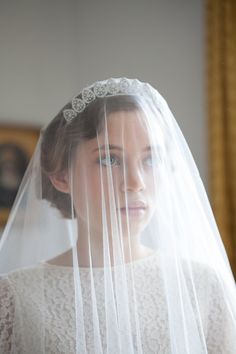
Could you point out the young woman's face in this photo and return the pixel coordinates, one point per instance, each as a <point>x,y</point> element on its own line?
<point>113,176</point>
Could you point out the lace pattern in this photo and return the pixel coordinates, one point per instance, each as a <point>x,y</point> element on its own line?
<point>44,315</point>
<point>6,316</point>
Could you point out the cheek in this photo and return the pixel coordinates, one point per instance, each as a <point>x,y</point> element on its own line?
<point>151,189</point>
<point>151,181</point>
<point>87,192</point>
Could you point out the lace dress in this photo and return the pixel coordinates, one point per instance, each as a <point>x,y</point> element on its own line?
<point>37,311</point>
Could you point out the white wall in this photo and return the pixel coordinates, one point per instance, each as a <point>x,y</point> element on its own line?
<point>50,49</point>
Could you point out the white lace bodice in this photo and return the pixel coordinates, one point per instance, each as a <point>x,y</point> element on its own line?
<point>32,323</point>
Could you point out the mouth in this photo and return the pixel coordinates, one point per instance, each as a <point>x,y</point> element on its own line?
<point>138,208</point>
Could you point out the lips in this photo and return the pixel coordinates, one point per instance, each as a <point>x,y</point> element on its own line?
<point>134,208</point>
<point>135,205</point>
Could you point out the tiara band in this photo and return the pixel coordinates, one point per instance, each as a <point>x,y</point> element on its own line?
<point>111,87</point>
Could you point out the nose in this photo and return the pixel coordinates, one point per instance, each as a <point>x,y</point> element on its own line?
<point>133,181</point>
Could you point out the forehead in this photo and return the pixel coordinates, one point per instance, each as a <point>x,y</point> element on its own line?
<point>125,127</point>
<point>131,130</point>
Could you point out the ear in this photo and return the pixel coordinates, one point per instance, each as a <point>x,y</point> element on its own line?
<point>60,182</point>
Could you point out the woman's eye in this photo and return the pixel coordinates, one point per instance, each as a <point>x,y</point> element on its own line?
<point>151,160</point>
<point>109,161</point>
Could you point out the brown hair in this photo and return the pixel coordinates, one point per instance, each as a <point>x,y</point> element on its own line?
<point>60,138</point>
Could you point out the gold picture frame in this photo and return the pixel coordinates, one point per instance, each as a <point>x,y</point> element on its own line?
<point>17,144</point>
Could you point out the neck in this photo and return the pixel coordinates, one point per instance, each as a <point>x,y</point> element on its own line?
<point>131,251</point>
<point>127,248</point>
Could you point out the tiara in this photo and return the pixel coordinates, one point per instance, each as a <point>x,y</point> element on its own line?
<point>110,87</point>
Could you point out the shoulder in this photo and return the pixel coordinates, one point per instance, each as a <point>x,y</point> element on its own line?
<point>6,315</point>
<point>5,289</point>
<point>14,281</point>
<point>201,273</point>
<point>6,302</point>
<point>200,279</point>
<point>213,285</point>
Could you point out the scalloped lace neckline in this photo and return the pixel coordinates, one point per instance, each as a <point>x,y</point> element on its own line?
<point>136,263</point>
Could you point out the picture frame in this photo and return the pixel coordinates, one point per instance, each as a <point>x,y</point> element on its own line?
<point>17,144</point>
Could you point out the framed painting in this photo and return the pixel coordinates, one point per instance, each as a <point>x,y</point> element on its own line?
<point>17,144</point>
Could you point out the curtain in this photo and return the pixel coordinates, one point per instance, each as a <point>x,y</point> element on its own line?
<point>221,73</point>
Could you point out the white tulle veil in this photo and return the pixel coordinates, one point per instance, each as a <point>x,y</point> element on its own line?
<point>113,200</point>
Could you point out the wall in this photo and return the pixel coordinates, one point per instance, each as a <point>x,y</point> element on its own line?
<point>51,49</point>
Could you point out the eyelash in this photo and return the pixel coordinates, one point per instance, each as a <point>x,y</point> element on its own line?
<point>106,158</point>
<point>118,163</point>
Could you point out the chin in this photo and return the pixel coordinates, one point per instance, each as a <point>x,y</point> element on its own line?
<point>135,227</point>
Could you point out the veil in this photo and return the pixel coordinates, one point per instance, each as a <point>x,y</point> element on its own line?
<point>111,245</point>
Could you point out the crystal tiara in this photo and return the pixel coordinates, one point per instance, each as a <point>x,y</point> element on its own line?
<point>110,87</point>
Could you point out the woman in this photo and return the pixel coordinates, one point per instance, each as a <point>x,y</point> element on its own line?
<point>111,246</point>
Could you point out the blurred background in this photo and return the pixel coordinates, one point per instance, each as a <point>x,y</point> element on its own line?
<point>51,49</point>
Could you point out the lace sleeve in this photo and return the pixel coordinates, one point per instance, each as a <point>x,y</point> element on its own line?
<point>221,336</point>
<point>6,316</point>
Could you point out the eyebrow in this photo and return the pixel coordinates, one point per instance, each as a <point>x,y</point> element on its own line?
<point>116,147</point>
